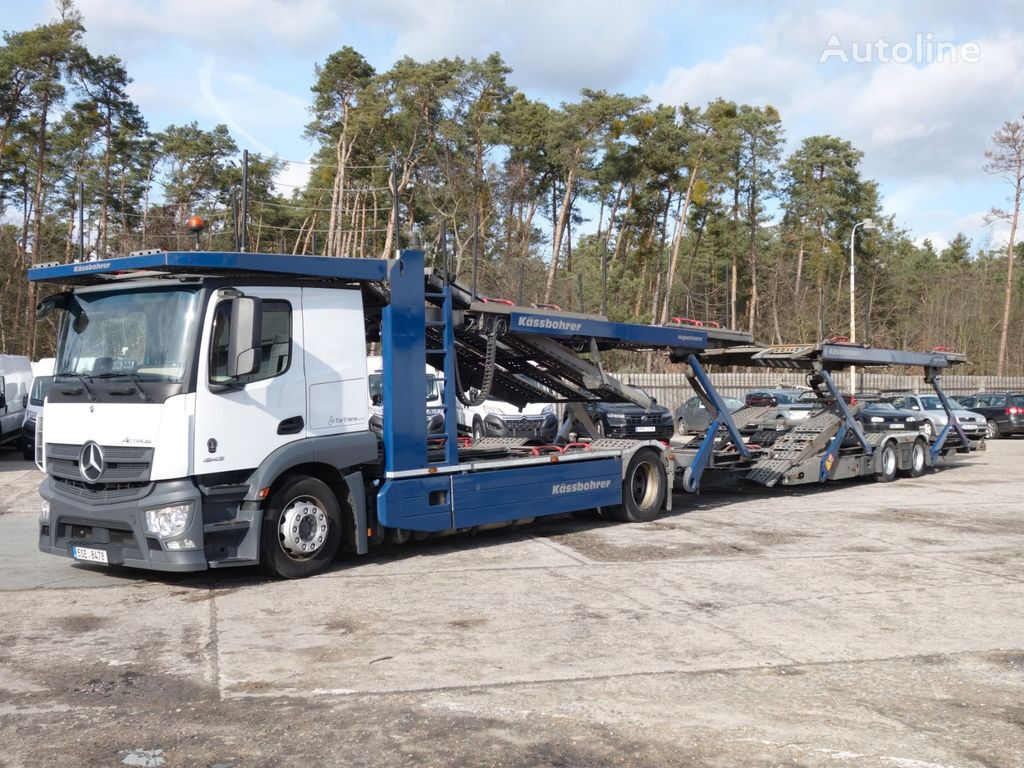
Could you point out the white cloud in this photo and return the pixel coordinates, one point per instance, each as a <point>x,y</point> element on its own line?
<point>231,26</point>
<point>923,127</point>
<point>553,46</point>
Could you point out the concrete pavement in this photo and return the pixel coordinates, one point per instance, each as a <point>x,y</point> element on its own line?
<point>864,624</point>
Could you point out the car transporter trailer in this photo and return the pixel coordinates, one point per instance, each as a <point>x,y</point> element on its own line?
<point>830,444</point>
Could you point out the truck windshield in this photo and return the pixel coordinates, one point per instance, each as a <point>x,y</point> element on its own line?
<point>148,333</point>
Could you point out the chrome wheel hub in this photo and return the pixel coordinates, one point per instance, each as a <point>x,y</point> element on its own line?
<point>303,528</point>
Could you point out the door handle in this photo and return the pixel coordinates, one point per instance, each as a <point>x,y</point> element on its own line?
<point>291,426</point>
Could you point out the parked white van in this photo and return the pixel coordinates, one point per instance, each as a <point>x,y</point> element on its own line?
<point>15,382</point>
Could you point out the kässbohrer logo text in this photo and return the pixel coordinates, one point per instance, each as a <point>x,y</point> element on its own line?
<point>580,487</point>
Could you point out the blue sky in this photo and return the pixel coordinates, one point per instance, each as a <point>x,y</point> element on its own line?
<point>922,126</point>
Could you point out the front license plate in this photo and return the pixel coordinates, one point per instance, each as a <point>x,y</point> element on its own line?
<point>89,555</point>
<point>895,426</point>
<point>645,429</point>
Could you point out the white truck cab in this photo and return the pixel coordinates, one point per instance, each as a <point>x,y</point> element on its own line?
<point>150,418</point>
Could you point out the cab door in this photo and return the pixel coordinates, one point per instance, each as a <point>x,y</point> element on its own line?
<point>238,424</point>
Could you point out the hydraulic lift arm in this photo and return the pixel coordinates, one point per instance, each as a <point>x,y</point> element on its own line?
<point>932,375</point>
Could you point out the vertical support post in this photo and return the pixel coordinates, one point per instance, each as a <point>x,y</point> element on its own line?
<point>397,245</point>
<point>234,215</point>
<point>244,230</point>
<point>81,221</point>
<point>604,277</point>
<point>442,249</point>
<point>404,353</point>
<point>476,251</point>
<point>451,413</point>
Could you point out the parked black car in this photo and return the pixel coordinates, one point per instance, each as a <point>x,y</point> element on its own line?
<point>881,417</point>
<point>1003,412</point>
<point>626,420</point>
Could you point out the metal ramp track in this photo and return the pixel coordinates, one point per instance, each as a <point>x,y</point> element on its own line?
<point>795,447</point>
<point>746,417</point>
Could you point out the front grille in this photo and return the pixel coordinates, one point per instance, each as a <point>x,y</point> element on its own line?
<point>643,419</point>
<point>101,492</point>
<point>524,423</point>
<point>121,463</point>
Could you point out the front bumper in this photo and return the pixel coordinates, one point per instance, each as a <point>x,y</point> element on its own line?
<point>531,427</point>
<point>118,527</point>
<point>638,431</point>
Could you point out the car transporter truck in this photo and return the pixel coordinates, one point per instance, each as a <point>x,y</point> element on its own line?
<point>210,410</point>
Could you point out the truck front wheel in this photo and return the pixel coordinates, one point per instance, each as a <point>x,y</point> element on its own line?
<point>301,528</point>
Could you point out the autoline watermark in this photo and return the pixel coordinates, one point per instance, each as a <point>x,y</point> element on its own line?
<point>923,49</point>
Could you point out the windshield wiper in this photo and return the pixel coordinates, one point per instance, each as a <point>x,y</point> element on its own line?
<point>81,378</point>
<point>131,376</point>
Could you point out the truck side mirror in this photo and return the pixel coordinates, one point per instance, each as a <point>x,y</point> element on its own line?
<point>246,331</point>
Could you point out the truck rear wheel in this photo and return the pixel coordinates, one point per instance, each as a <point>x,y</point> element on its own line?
<point>301,528</point>
<point>918,459</point>
<point>643,488</point>
<point>888,463</point>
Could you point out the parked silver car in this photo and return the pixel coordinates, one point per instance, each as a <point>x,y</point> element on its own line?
<point>791,405</point>
<point>692,416</point>
<point>934,415</point>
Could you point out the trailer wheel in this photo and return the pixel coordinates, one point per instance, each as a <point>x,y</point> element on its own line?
<point>888,463</point>
<point>643,488</point>
<point>301,528</point>
<point>918,459</point>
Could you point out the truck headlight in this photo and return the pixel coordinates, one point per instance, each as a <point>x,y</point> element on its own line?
<point>44,511</point>
<point>167,521</point>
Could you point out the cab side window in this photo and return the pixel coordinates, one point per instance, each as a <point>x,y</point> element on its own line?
<point>275,343</point>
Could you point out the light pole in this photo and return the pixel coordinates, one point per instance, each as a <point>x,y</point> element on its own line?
<point>867,224</point>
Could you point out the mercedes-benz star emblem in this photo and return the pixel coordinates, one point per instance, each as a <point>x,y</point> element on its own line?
<point>90,463</point>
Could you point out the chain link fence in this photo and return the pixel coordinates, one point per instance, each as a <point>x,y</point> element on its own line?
<point>671,389</point>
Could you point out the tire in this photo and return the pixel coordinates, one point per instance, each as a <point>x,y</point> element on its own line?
<point>889,461</point>
<point>643,488</point>
<point>311,505</point>
<point>928,430</point>
<point>681,428</point>
<point>918,459</point>
<point>602,430</point>
<point>397,535</point>
<point>992,431</point>
<point>478,430</point>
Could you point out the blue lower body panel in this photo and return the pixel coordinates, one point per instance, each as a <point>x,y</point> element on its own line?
<point>416,503</point>
<point>547,489</point>
<point>426,503</point>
